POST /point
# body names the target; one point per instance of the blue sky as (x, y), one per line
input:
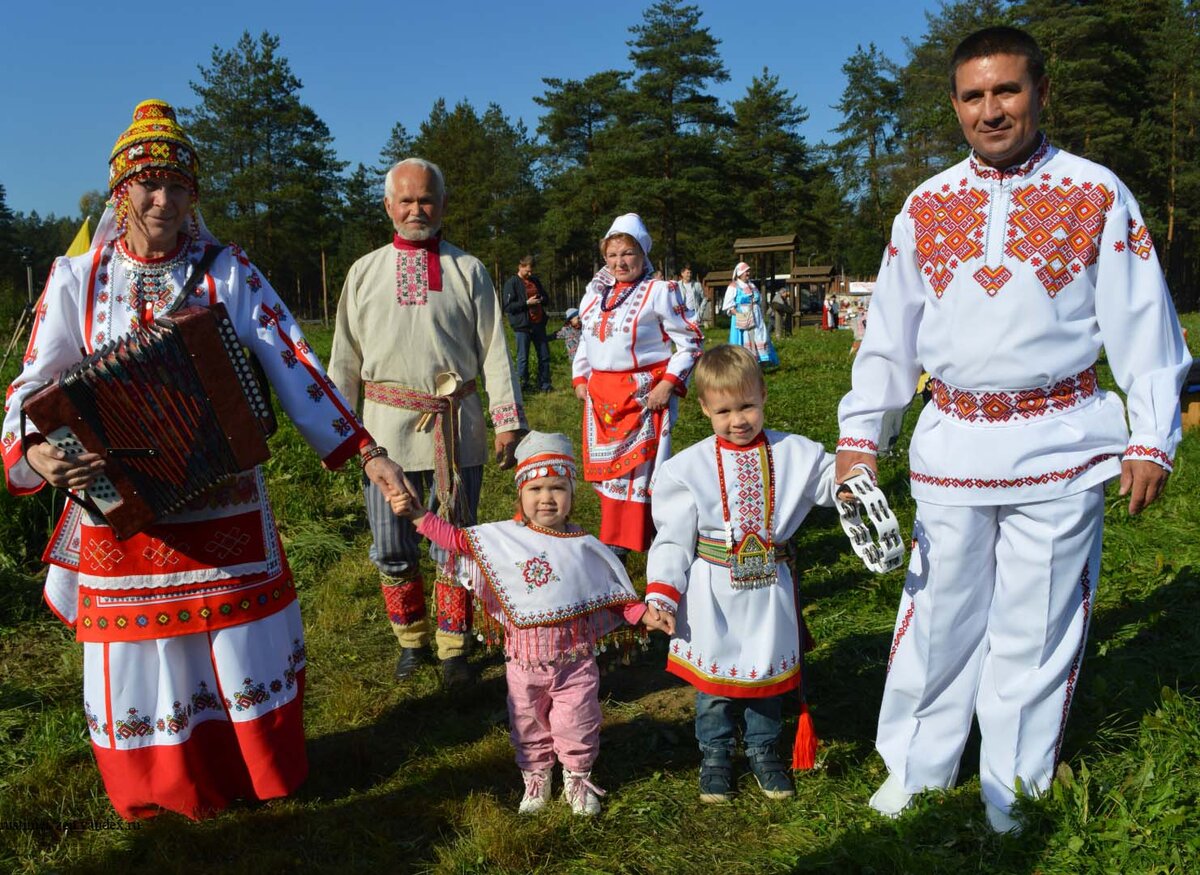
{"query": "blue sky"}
(72, 71)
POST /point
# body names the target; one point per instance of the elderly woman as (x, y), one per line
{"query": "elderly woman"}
(193, 651)
(743, 305)
(630, 380)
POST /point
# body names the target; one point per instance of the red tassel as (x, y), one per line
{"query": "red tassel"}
(804, 751)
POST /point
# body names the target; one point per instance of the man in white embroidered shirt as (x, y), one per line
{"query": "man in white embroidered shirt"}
(1004, 277)
(417, 323)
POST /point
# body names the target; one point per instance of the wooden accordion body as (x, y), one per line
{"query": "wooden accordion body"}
(175, 408)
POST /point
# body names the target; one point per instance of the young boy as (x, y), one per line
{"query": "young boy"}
(570, 332)
(725, 509)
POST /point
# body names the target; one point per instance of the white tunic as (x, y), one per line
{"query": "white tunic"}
(741, 643)
(996, 282)
(385, 336)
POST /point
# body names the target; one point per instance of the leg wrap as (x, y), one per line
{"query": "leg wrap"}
(404, 598)
(454, 606)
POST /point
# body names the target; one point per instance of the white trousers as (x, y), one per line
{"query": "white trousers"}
(992, 623)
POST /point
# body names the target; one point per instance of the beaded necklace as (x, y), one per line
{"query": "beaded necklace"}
(752, 562)
(606, 309)
(150, 283)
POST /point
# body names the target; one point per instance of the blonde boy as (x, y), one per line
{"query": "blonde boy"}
(725, 510)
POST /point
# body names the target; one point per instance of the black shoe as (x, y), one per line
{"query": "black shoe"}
(456, 672)
(410, 660)
(716, 780)
(773, 775)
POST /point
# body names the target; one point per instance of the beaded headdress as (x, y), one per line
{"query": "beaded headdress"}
(153, 145)
(544, 455)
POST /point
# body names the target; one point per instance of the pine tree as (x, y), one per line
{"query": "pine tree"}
(269, 176)
(670, 141)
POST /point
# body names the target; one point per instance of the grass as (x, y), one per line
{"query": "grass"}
(406, 778)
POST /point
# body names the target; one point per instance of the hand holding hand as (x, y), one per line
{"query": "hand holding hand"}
(657, 618)
(63, 471)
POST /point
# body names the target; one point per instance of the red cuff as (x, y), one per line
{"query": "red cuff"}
(579, 381)
(861, 445)
(1149, 454)
(347, 448)
(663, 589)
(13, 454)
(680, 385)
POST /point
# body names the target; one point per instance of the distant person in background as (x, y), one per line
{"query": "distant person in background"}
(743, 305)
(858, 321)
(571, 332)
(693, 293)
(640, 343)
(525, 305)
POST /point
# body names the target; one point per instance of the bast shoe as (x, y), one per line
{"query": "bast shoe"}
(716, 780)
(537, 791)
(410, 660)
(891, 798)
(580, 793)
(773, 775)
(457, 673)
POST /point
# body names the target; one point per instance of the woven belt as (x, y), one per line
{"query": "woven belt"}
(441, 410)
(1005, 406)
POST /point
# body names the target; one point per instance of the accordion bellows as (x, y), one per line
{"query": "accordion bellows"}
(175, 407)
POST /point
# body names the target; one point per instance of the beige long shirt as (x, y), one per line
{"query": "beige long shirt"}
(378, 339)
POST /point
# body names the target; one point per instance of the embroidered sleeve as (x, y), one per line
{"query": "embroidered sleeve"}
(676, 519)
(497, 365)
(55, 341)
(680, 325)
(1140, 333)
(306, 393)
(886, 369)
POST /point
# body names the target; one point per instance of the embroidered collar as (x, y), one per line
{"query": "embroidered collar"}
(431, 248)
(622, 292)
(759, 440)
(572, 531)
(1024, 169)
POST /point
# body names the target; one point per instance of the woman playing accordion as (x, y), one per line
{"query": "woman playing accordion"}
(193, 648)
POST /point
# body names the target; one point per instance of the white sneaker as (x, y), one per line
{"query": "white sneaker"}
(579, 791)
(537, 791)
(891, 798)
(1001, 821)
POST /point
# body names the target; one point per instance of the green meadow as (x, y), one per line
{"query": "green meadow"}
(406, 778)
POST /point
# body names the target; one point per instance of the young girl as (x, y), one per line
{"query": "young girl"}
(555, 591)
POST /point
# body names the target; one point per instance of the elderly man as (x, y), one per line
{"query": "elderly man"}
(1004, 277)
(418, 322)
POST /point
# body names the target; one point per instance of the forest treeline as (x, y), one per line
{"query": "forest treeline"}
(652, 138)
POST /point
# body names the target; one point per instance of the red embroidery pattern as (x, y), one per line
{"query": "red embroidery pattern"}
(1057, 229)
(1031, 480)
(1002, 406)
(858, 444)
(1021, 170)
(992, 279)
(901, 632)
(1085, 586)
(1143, 452)
(892, 251)
(404, 601)
(948, 226)
(412, 272)
(1140, 243)
(453, 608)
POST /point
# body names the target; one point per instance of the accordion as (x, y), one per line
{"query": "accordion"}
(175, 407)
